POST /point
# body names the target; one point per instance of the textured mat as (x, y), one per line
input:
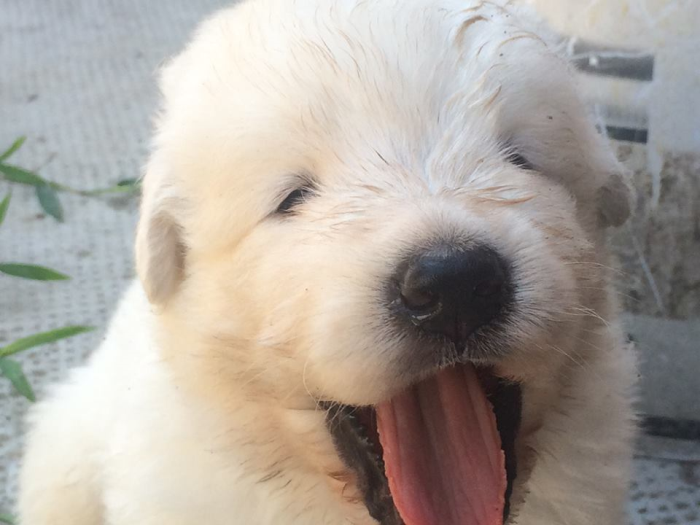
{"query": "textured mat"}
(76, 77)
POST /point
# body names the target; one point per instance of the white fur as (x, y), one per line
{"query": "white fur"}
(200, 406)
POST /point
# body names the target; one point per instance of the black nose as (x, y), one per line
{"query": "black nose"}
(452, 292)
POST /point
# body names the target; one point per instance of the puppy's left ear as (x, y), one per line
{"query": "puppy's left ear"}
(615, 198)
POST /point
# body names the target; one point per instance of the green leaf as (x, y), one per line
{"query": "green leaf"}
(42, 338)
(15, 174)
(31, 271)
(123, 186)
(11, 150)
(12, 370)
(3, 207)
(129, 182)
(7, 518)
(22, 176)
(48, 198)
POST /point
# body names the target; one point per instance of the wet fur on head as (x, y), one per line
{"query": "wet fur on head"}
(400, 121)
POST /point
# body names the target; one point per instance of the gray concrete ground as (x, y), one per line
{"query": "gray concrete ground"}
(77, 78)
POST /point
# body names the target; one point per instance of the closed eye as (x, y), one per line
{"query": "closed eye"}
(295, 199)
(519, 161)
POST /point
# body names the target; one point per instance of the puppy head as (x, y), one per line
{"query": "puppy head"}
(344, 198)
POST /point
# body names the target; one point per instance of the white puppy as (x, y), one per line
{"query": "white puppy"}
(372, 234)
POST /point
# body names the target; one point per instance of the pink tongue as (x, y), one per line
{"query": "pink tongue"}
(442, 452)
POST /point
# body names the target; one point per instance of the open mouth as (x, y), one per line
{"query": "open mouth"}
(440, 453)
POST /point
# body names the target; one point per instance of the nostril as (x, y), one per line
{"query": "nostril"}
(489, 288)
(417, 290)
(418, 299)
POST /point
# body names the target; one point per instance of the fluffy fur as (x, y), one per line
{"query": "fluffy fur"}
(200, 405)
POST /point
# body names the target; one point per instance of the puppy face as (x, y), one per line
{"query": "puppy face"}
(307, 161)
(346, 198)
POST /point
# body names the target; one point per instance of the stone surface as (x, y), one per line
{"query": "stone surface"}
(659, 250)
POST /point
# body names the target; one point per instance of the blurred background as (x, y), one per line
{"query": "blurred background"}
(77, 79)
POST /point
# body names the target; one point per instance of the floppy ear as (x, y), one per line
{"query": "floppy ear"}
(160, 250)
(615, 199)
